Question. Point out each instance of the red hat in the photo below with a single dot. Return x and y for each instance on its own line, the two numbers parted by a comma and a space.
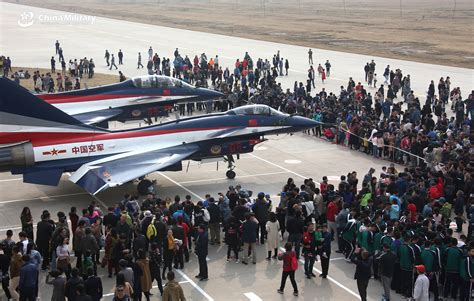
420, 268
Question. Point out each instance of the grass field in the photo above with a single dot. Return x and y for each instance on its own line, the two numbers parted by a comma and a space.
98, 79
431, 31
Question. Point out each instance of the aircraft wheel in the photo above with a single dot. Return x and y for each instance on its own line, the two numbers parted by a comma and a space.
230, 174
143, 186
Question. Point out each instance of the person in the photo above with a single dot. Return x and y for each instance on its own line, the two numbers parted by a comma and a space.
4, 267
122, 284
27, 222
81, 294
16, 263
155, 263
107, 57
467, 274
272, 229
71, 285
93, 285
169, 251
112, 63
139, 62
28, 280
202, 242
309, 250
422, 285
63, 260
173, 290
249, 238
386, 263
120, 294
214, 222
145, 279
363, 271
120, 57
59, 284
232, 238
290, 265
295, 228
328, 68
310, 56
325, 251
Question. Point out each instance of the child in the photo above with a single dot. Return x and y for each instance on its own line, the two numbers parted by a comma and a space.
87, 263
290, 265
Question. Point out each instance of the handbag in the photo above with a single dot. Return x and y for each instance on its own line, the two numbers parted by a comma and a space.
63, 263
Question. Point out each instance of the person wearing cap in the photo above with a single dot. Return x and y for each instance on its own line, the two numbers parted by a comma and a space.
422, 285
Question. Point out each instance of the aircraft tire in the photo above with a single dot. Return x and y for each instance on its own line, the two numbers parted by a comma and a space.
142, 187
230, 174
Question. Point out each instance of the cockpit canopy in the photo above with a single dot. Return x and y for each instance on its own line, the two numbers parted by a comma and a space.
159, 81
256, 110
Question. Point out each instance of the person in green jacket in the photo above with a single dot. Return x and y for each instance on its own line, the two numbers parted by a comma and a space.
453, 261
466, 271
348, 236
406, 256
429, 260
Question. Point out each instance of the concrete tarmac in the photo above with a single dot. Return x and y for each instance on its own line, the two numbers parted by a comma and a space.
298, 156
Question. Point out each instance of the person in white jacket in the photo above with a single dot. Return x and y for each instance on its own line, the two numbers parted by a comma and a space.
273, 235
422, 285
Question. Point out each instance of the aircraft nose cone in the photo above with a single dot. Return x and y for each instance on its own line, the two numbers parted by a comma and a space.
303, 122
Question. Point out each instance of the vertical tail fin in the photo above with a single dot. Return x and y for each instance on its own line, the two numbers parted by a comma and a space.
23, 115
16, 101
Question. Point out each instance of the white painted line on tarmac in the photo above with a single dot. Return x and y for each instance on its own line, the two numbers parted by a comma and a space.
43, 197
239, 177
252, 296
197, 287
10, 180
279, 166
178, 184
330, 279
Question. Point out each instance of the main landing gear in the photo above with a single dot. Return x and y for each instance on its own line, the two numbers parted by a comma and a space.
230, 174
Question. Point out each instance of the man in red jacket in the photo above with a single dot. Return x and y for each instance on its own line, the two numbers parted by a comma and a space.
332, 211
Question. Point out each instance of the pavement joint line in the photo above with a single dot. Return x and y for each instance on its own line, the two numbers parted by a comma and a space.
43, 197
197, 287
331, 279
244, 176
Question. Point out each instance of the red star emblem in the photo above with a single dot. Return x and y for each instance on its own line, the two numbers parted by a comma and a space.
54, 152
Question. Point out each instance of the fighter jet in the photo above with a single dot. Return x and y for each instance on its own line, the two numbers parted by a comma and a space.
42, 142
137, 98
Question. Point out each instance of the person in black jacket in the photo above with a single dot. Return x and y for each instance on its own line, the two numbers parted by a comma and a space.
261, 213
295, 228
4, 268
386, 263
93, 285
202, 242
363, 271
81, 294
155, 262
214, 222
72, 284
44, 233
110, 218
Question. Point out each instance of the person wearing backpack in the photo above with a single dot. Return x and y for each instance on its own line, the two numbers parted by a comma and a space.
290, 265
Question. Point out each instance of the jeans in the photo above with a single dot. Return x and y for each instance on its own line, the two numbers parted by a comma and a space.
325, 264
285, 275
386, 286
28, 293
245, 257
309, 260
